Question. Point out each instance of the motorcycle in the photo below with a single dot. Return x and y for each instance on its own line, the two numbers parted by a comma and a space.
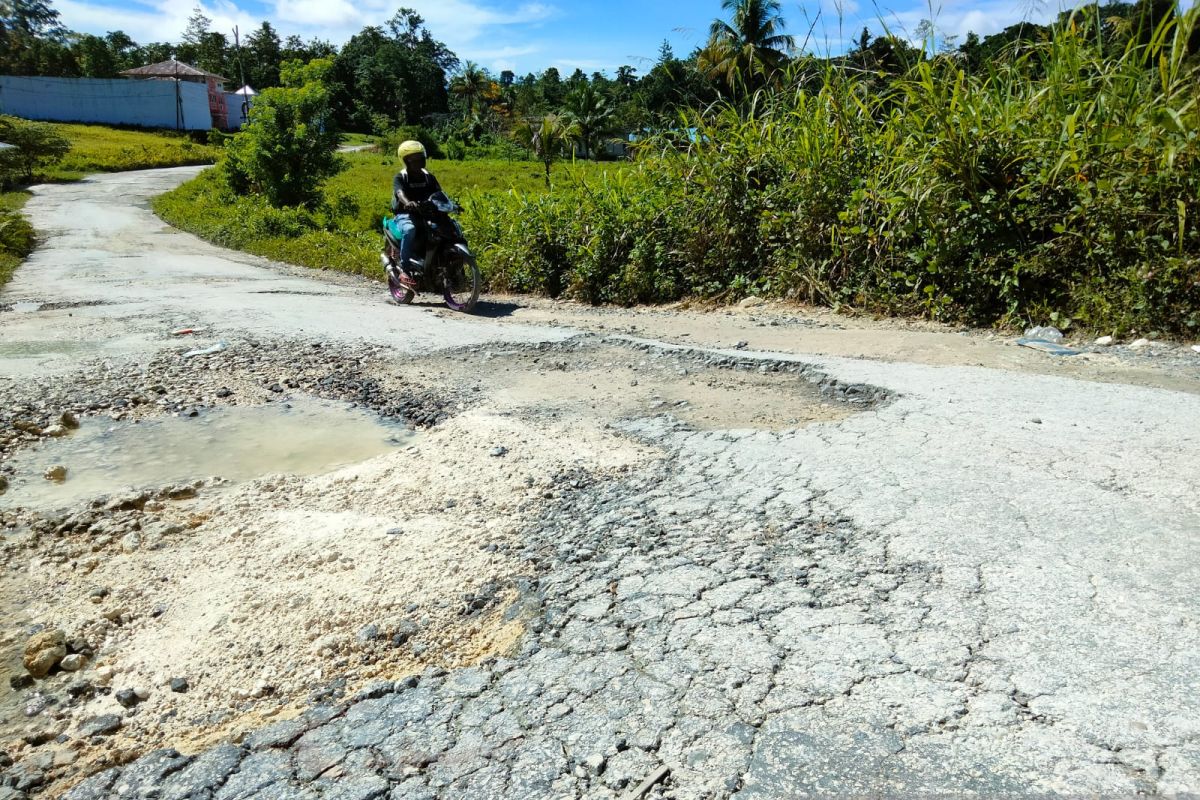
445, 266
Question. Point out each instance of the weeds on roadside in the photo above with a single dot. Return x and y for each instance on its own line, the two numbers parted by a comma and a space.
1061, 185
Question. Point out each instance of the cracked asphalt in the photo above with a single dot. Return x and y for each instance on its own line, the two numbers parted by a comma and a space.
983, 582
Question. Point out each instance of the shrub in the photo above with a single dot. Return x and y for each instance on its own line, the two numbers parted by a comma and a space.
16, 234
37, 144
286, 149
1059, 185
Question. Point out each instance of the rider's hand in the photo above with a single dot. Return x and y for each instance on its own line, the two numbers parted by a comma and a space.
412, 206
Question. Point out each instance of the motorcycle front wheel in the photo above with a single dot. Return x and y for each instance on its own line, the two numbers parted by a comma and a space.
460, 277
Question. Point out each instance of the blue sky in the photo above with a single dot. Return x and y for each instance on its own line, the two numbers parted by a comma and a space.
530, 35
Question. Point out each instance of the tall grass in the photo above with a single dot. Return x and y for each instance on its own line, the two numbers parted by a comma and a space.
1059, 184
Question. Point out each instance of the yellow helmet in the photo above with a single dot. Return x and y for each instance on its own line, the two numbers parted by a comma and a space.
410, 148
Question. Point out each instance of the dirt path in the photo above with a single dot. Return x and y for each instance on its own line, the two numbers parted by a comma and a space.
551, 551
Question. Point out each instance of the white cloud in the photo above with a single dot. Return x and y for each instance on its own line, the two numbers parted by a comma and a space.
469, 28
959, 19
157, 21
459, 23
314, 14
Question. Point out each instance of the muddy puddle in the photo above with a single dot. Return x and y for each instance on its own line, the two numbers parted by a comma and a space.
44, 348
303, 437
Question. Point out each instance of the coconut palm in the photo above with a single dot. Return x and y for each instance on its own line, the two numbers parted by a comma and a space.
751, 47
547, 138
591, 113
472, 83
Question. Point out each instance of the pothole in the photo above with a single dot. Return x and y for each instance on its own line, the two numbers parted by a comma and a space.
302, 437
617, 379
31, 306
34, 349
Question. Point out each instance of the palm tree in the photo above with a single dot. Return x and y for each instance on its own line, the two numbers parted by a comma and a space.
589, 110
471, 83
751, 47
547, 137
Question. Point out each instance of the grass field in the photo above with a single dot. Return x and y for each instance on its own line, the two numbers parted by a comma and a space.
367, 179
95, 148
358, 139
344, 233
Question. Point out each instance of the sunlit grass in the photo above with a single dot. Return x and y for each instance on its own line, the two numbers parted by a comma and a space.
96, 148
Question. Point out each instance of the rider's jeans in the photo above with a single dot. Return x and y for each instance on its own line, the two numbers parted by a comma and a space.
409, 229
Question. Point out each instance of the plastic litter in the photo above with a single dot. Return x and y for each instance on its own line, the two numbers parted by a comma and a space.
1104, 341
1196, 348
1045, 333
1052, 348
183, 331
207, 351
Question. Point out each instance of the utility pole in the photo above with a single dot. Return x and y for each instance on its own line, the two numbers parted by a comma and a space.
237, 48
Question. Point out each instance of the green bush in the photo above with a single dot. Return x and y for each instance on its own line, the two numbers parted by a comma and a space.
286, 149
37, 144
16, 234
10, 168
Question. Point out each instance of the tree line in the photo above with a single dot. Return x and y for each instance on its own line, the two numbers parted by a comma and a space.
397, 78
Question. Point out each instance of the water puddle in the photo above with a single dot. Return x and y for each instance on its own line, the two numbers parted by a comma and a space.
237, 443
44, 348
26, 308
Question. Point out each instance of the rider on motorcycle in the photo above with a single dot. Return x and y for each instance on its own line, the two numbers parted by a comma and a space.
412, 185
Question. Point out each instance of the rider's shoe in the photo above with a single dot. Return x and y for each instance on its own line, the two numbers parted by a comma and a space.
407, 281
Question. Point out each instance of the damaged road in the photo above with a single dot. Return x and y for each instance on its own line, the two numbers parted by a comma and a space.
598, 566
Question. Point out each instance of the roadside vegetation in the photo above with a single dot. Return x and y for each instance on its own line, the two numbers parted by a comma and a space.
1042, 174
341, 231
16, 234
1060, 184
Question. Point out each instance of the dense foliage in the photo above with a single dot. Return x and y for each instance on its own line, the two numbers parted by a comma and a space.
1044, 173
287, 148
1060, 184
34, 145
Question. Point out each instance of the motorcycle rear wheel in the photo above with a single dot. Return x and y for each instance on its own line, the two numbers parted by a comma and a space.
460, 277
399, 292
